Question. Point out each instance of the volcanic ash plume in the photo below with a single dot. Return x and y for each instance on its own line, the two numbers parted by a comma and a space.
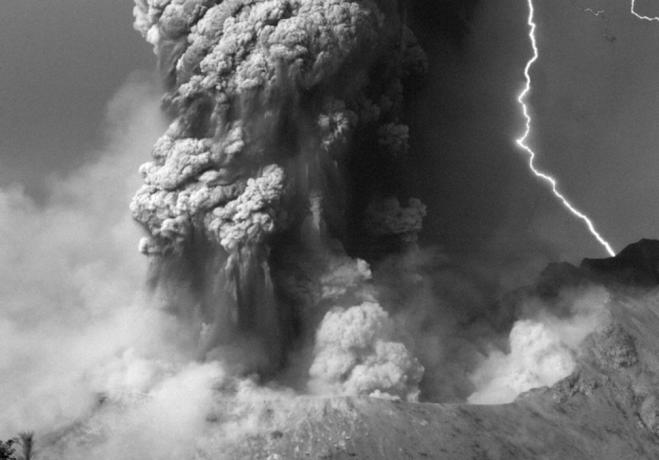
277, 107
355, 355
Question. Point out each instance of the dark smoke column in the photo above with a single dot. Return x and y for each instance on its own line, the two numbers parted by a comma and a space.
265, 98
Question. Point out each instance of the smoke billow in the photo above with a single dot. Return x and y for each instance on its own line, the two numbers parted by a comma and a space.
542, 349
90, 362
356, 355
282, 252
251, 183
72, 289
278, 185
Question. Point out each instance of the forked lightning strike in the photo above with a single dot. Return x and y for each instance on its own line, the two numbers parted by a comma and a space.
521, 142
632, 10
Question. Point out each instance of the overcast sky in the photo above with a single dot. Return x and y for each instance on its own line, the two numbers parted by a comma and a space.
60, 63
595, 102
595, 99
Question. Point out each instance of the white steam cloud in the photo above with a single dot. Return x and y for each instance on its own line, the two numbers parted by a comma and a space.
87, 361
542, 351
357, 355
70, 284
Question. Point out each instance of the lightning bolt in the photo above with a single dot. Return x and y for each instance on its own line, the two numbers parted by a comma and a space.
593, 12
522, 141
632, 10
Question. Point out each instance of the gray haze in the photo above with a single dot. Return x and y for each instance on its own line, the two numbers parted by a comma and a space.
596, 106
60, 63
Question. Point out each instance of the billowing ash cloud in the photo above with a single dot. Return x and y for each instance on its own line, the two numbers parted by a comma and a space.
248, 80
282, 250
280, 171
280, 111
541, 352
356, 354
537, 358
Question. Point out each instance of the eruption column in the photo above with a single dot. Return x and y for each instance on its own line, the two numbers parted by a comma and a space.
632, 10
522, 141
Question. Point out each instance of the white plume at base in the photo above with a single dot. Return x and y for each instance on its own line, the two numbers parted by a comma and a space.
356, 354
541, 352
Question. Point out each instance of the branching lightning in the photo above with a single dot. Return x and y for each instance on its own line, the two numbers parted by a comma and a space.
522, 141
632, 10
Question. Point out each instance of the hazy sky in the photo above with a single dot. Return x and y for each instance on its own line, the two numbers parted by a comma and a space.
596, 105
60, 62
596, 102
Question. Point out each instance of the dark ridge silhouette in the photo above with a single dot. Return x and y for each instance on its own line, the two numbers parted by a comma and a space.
636, 265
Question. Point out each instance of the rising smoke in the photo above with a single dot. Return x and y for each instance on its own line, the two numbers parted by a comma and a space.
89, 360
283, 256
268, 101
541, 350
73, 303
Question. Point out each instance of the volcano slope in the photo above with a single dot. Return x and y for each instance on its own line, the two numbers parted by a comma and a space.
606, 409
